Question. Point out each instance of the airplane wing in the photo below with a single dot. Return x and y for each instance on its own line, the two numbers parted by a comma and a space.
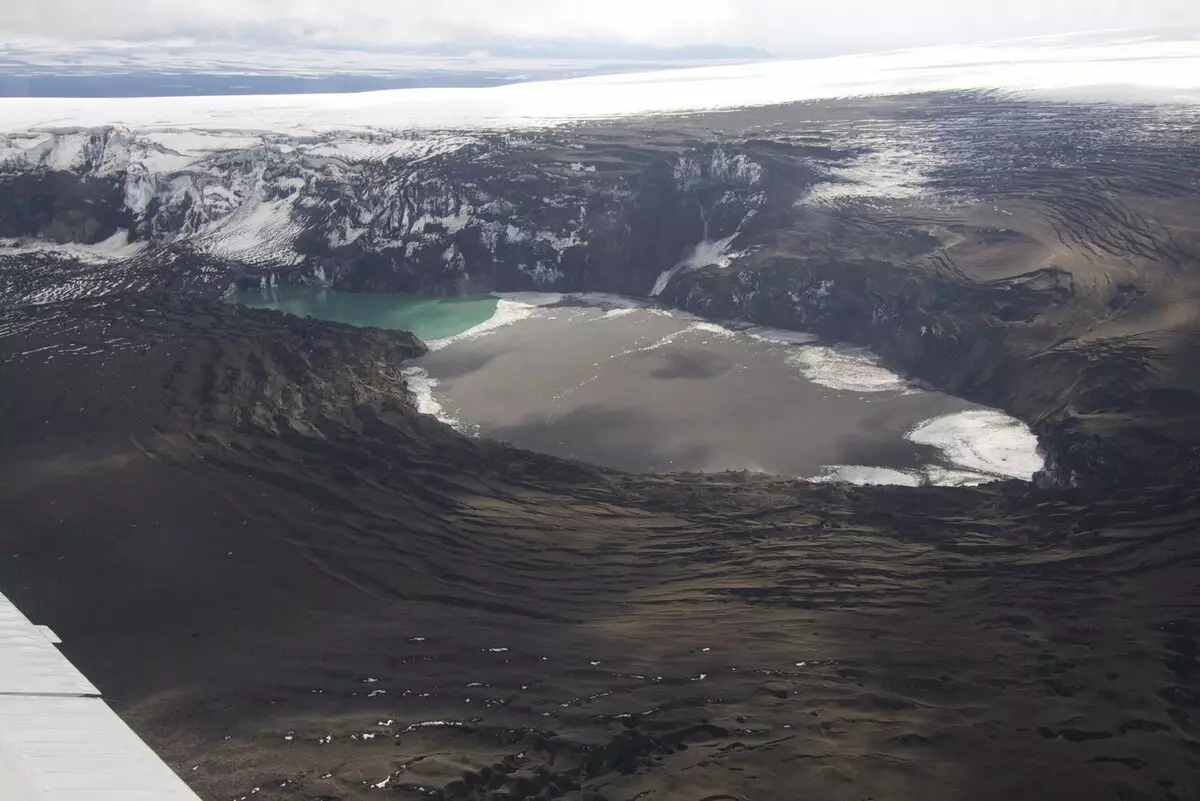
59, 741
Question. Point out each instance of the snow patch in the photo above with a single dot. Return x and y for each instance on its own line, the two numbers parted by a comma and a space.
511, 308
198, 142
431, 724
422, 386
116, 248
779, 336
706, 253
932, 475
453, 223
260, 230
983, 445
888, 173
535, 299
950, 477
559, 242
711, 328
983, 441
383, 148
868, 476
846, 368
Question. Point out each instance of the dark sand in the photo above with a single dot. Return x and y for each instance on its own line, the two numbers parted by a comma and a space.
288, 581
643, 391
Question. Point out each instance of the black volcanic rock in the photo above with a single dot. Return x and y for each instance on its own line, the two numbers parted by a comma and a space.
62, 207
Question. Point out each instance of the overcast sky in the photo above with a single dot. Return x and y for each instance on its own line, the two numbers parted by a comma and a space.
785, 27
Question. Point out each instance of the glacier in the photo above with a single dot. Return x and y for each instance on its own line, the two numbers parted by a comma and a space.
1116, 66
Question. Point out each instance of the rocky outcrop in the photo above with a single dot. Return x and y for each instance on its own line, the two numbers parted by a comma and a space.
62, 207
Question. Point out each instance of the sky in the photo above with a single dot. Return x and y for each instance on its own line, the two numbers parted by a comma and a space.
784, 27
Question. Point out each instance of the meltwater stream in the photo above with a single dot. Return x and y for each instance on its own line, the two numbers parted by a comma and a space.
615, 382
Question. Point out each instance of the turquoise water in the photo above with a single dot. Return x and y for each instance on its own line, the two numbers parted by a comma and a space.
428, 318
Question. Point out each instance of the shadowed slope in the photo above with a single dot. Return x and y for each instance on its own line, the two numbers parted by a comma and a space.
287, 580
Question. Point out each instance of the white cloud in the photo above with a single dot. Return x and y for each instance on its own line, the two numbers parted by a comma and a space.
784, 26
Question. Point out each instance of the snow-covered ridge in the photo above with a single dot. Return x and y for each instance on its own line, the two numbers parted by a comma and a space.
245, 198
1119, 67
444, 206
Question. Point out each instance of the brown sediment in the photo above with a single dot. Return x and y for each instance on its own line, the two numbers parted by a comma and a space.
652, 393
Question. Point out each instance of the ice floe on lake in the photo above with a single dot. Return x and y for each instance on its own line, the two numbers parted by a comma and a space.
985, 441
846, 368
980, 445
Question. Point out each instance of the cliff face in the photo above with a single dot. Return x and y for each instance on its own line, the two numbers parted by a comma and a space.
1103, 412
1035, 257
530, 217
442, 213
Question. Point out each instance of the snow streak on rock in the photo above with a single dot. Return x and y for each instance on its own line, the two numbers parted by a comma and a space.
708, 253
245, 198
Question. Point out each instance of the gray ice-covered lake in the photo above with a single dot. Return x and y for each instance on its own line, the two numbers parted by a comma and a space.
616, 382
